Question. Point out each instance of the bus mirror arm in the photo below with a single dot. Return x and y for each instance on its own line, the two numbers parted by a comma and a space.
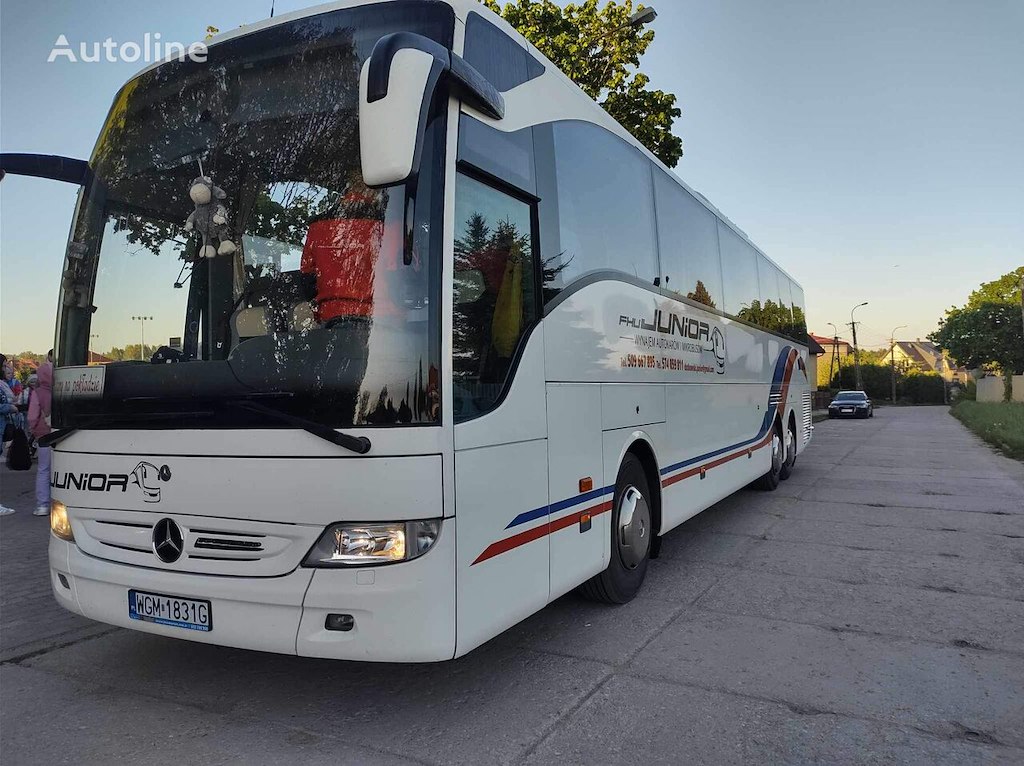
51, 166
396, 87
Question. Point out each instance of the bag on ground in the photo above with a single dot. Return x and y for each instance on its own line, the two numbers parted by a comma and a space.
18, 457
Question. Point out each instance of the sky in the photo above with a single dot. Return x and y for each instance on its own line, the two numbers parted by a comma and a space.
873, 149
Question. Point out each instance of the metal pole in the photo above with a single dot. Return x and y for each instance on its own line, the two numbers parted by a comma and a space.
835, 353
142, 348
892, 358
856, 349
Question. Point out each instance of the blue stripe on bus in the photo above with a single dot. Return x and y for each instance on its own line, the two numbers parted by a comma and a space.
561, 505
546, 510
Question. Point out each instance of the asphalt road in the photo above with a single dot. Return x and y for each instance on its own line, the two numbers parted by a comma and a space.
869, 611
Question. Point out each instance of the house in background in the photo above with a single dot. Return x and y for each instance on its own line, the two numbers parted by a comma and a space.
927, 357
834, 352
814, 353
843, 348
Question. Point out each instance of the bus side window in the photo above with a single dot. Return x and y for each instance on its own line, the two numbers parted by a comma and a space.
688, 243
495, 298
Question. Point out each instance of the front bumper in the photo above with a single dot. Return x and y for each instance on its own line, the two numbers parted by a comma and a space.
403, 612
857, 413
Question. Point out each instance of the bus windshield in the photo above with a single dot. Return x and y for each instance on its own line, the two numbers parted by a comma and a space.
226, 247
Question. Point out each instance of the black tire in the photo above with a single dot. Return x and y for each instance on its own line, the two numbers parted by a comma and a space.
790, 462
769, 482
619, 583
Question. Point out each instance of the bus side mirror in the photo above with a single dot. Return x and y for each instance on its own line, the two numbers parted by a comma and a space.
396, 86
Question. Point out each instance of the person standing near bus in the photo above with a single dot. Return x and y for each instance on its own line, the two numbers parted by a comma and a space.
10, 413
8, 409
39, 424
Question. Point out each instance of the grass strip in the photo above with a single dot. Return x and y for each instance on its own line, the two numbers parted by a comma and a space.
1000, 424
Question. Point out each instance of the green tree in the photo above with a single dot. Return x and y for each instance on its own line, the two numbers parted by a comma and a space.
601, 53
1006, 289
989, 330
701, 295
130, 353
770, 315
990, 333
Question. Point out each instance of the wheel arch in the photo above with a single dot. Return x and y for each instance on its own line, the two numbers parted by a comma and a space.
642, 449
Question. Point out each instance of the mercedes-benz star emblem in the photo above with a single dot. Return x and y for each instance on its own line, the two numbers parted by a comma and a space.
168, 542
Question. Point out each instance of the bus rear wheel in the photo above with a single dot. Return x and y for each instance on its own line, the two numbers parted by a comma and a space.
632, 533
790, 447
770, 480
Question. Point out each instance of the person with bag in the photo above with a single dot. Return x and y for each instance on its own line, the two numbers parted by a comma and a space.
9, 410
8, 422
39, 423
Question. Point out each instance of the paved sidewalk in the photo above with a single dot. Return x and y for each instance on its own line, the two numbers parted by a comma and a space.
30, 619
869, 611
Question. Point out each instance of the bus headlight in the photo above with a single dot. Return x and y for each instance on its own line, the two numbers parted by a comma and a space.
60, 524
369, 544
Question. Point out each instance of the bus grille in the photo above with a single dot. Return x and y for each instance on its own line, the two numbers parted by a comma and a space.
808, 419
211, 546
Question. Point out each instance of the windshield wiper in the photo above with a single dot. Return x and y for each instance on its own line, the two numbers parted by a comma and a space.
358, 444
56, 437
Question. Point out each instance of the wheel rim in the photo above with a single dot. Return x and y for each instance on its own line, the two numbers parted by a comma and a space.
634, 533
790, 443
777, 455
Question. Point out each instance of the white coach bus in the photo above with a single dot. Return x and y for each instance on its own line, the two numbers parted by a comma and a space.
440, 343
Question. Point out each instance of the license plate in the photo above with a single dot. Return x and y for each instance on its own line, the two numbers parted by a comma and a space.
846, 409
188, 613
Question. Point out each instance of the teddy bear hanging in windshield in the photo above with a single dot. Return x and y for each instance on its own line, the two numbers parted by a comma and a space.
210, 218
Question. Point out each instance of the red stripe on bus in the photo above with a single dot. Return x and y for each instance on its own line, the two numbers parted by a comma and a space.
715, 463
779, 408
503, 546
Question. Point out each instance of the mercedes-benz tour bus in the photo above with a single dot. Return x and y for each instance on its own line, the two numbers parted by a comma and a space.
432, 341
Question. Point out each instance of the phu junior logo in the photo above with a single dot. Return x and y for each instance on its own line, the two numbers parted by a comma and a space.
710, 337
145, 476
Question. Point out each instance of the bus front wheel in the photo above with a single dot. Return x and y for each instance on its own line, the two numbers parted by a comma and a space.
632, 534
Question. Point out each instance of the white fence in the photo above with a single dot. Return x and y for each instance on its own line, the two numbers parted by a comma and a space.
990, 389
993, 389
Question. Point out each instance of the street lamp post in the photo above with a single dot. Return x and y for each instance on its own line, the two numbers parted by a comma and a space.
856, 349
636, 20
92, 337
892, 358
142, 321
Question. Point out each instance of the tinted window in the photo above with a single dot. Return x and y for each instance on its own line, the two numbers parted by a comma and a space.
605, 207
508, 156
495, 298
688, 243
499, 58
773, 312
799, 317
739, 270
